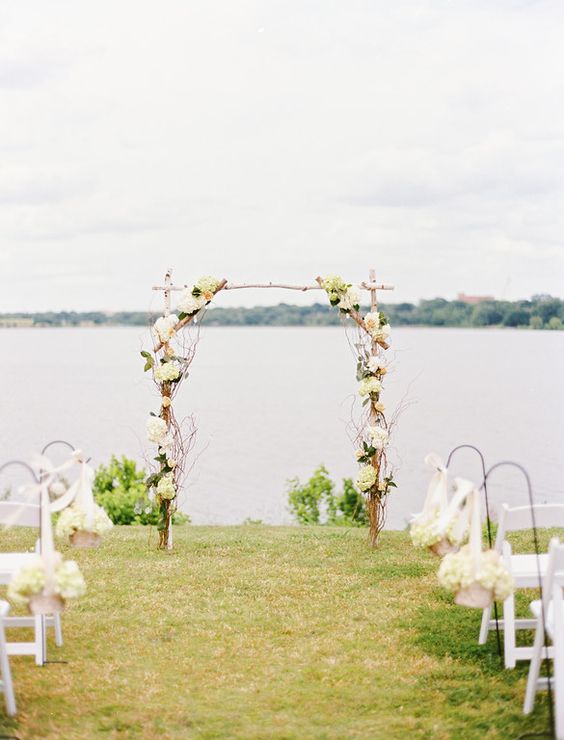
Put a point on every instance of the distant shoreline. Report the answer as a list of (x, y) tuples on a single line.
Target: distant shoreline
[(541, 312)]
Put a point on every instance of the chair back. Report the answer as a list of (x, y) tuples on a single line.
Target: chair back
[(14, 513), (518, 518), (553, 582)]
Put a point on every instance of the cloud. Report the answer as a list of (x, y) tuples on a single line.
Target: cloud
[(418, 137), (503, 168)]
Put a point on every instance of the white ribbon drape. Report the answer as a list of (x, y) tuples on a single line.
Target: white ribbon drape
[(436, 500), (80, 491), (464, 511)]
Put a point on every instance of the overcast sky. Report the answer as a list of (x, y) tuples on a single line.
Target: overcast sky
[(278, 140)]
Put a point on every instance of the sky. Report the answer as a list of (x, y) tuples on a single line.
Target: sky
[(279, 140)]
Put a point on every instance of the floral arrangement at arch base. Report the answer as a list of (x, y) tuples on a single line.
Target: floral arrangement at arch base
[(169, 362), (375, 479)]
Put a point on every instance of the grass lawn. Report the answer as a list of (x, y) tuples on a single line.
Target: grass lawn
[(266, 632)]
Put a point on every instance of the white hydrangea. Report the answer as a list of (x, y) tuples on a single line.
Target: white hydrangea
[(426, 532), (456, 572), (27, 581), (164, 327), (378, 436), (207, 285), (156, 429), (30, 580), (73, 519), (375, 364), (368, 386), (165, 487), (350, 299), (69, 582), (167, 372), (189, 303), (366, 478)]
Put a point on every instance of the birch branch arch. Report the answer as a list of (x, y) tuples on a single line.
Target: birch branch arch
[(171, 355)]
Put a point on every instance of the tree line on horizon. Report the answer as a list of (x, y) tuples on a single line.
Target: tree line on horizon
[(540, 312)]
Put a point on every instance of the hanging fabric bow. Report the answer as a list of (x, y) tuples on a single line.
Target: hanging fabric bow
[(45, 581), (82, 521), (436, 526)]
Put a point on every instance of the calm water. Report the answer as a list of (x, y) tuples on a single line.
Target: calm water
[(272, 403)]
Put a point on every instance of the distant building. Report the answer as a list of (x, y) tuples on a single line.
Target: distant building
[(15, 323), (473, 299)]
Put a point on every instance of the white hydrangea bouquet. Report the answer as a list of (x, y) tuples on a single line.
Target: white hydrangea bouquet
[(476, 581), (82, 521), (73, 524), (476, 577), (441, 527), (46, 593)]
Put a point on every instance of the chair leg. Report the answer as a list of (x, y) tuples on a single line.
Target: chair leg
[(534, 669), (58, 630), (40, 642), (509, 631), (558, 682), (485, 626), (7, 685)]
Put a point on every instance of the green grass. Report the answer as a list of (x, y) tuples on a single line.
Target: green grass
[(266, 632)]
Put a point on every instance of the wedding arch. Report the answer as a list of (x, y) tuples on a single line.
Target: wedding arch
[(173, 352)]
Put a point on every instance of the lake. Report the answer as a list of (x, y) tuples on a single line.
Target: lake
[(272, 403)]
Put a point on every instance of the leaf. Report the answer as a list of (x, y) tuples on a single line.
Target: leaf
[(148, 365), (182, 315), (146, 354)]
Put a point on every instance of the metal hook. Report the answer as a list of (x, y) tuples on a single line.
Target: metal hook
[(518, 466)]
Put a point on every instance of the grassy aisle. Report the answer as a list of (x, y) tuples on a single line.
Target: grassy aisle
[(266, 632)]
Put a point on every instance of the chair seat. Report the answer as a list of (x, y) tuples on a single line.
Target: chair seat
[(524, 569), (10, 562)]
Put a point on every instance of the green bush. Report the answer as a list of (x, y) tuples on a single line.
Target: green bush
[(314, 502), (120, 489), (351, 509)]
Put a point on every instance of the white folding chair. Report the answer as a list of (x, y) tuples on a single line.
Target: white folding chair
[(524, 569), (14, 513), (549, 622), (5, 673)]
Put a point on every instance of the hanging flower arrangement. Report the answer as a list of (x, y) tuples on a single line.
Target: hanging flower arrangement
[(32, 586), (73, 525), (440, 527), (374, 479), (169, 362), (476, 581), (476, 577), (80, 520)]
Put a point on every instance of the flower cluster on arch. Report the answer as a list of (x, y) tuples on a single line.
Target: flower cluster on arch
[(372, 479), (169, 367)]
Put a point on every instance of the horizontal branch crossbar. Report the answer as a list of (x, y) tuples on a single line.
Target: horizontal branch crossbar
[(302, 288)]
